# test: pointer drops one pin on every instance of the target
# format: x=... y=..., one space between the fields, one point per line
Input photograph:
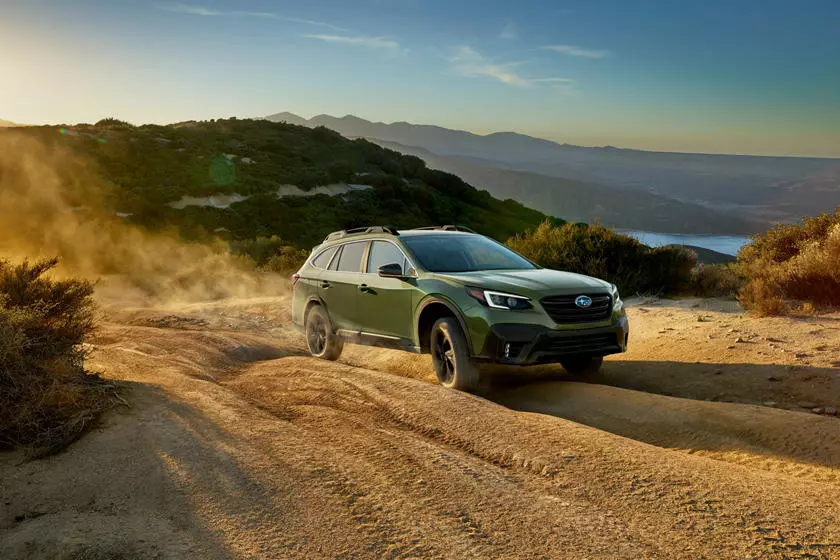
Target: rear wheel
x=451 y=356
x=582 y=365
x=320 y=336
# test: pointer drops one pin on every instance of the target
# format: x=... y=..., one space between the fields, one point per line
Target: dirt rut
x=239 y=446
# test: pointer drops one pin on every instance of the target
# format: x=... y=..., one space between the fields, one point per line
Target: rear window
x=323 y=258
x=350 y=259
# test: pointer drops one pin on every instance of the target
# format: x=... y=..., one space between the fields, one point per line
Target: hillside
x=745 y=192
x=6 y=123
x=248 y=178
x=587 y=202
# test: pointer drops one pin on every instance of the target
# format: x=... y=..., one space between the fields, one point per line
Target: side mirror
x=392 y=270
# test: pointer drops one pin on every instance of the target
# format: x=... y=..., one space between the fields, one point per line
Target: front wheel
x=582 y=365
x=320 y=337
x=451 y=356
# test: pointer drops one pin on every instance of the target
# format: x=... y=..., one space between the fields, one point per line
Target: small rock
x=709 y=337
x=730 y=348
x=831 y=411
x=718 y=372
x=421 y=482
x=771 y=345
x=800 y=355
x=818 y=410
x=770 y=403
x=772 y=378
x=739 y=339
x=806 y=404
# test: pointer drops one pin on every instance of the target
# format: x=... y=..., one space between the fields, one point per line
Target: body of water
x=728 y=244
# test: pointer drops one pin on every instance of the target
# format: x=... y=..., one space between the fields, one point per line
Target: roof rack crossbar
x=449 y=227
x=361 y=231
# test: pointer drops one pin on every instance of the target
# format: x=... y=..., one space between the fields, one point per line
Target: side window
x=323 y=258
x=382 y=253
x=334 y=263
x=350 y=259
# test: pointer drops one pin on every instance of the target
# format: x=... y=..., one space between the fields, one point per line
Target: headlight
x=499 y=300
x=617 y=303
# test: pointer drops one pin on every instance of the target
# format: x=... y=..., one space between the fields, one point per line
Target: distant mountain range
x=634 y=189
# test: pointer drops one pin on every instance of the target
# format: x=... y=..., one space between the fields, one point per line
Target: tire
x=451 y=356
x=582 y=365
x=321 y=339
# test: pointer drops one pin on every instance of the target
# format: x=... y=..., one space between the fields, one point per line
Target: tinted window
x=334 y=263
x=323 y=259
x=350 y=259
x=463 y=253
x=382 y=253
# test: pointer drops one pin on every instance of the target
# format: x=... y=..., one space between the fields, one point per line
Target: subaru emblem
x=583 y=301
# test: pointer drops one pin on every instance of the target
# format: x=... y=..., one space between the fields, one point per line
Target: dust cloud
x=56 y=203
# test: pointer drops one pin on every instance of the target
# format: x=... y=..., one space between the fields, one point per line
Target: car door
x=339 y=286
x=385 y=304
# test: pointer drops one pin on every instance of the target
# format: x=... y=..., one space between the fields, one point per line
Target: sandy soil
x=700 y=442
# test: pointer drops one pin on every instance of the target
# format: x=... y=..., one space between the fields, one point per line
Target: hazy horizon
x=759 y=78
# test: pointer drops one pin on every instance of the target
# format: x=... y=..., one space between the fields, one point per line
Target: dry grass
x=793 y=265
x=47 y=399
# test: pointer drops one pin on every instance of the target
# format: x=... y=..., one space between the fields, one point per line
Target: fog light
x=507 y=350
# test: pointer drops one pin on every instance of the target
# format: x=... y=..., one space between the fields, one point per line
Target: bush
x=287 y=260
x=47 y=399
x=715 y=280
x=793 y=263
x=600 y=252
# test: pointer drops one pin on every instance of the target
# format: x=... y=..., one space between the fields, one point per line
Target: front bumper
x=526 y=344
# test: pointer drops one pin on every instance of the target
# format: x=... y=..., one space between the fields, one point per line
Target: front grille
x=591 y=344
x=563 y=309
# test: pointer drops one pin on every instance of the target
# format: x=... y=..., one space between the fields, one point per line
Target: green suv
x=457 y=295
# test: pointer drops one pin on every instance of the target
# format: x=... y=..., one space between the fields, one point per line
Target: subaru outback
x=457 y=295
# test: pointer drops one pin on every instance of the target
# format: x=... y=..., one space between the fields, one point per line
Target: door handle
x=364 y=288
x=325 y=284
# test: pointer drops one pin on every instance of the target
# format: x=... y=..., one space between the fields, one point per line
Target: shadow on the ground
x=626 y=398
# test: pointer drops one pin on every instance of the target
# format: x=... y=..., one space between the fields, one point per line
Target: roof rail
x=449 y=227
x=361 y=231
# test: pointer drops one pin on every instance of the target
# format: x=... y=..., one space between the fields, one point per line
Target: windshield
x=463 y=253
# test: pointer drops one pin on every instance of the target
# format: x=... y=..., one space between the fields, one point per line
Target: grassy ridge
x=151 y=166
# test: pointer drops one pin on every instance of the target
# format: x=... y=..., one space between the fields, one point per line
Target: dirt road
x=698 y=443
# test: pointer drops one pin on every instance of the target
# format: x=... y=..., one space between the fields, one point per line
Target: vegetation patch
x=603 y=253
x=47 y=399
x=793 y=265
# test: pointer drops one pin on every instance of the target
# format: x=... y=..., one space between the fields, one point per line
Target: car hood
x=540 y=280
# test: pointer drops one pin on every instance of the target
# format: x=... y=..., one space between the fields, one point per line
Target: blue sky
x=736 y=76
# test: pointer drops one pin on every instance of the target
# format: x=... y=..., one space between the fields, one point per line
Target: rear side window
x=382 y=253
x=323 y=258
x=350 y=259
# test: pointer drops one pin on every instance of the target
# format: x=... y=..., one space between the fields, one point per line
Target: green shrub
x=714 y=280
x=792 y=263
x=47 y=399
x=601 y=252
x=287 y=260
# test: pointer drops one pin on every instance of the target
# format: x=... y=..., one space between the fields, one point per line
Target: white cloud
x=191 y=9
x=382 y=43
x=470 y=63
x=573 y=50
x=509 y=32
x=198 y=10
